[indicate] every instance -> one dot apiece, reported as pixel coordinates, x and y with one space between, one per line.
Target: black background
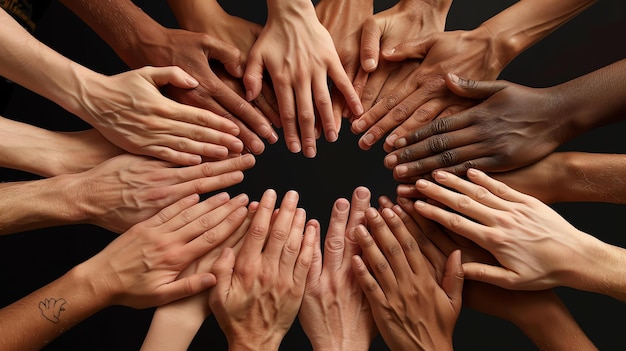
30 260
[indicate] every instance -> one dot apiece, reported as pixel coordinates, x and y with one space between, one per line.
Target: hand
411 309
191 52
345 30
534 245
128 189
537 313
259 292
140 268
210 18
129 111
423 95
514 126
299 67
174 325
335 314
407 20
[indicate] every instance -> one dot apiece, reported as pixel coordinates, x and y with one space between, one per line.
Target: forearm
38 204
33 321
126 28
175 325
199 15
592 177
35 66
526 22
546 323
594 99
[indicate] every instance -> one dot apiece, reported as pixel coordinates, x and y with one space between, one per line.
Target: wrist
289 9
255 342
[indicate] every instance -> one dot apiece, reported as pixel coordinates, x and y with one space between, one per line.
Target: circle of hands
398 268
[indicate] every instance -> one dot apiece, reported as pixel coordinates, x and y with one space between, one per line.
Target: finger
361 197
266 102
334 244
476 192
317 260
259 228
170 212
292 245
202 233
453 278
394 241
224 52
303 265
223 270
184 287
306 118
456 223
172 75
370 44
416 49
377 261
253 75
370 93
281 226
324 106
494 275
249 138
288 116
368 283
344 85
359 83
419 116
175 217
473 89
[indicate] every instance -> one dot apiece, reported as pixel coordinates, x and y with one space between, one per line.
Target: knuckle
438 143
448 158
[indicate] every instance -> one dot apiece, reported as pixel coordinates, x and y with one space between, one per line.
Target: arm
345 30
299 55
271 267
335 314
115 195
479 54
138 269
139 41
127 108
517 135
47 153
537 249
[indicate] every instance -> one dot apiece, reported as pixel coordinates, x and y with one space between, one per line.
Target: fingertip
369 65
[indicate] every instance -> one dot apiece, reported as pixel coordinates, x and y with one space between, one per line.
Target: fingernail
341 205
421 183
440 175
368 139
402 170
401 142
454 78
249 96
369 64
391 160
362 193
360 125
391 139
294 147
332 136
309 152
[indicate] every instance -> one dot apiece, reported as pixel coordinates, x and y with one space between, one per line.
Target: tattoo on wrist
51 309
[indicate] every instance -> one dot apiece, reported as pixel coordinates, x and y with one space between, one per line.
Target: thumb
226 53
185 287
473 89
223 270
416 49
370 45
453 278
253 76
161 76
